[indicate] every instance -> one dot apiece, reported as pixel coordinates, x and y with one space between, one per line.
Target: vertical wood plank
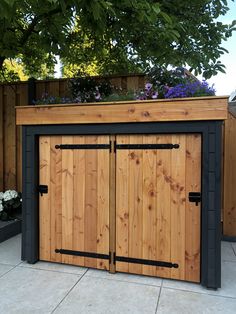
135 203
79 200
53 88
229 195
164 181
64 90
9 138
56 197
44 200
178 203
122 203
90 219
193 217
149 205
132 83
103 202
40 89
67 199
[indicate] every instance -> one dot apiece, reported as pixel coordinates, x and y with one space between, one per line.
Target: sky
225 84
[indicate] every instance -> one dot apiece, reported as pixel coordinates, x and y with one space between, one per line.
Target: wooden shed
129 186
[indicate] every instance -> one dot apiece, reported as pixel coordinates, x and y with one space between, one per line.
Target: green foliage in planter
88 89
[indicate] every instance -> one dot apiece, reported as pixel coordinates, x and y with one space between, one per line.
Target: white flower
14 194
1 195
1 206
10 194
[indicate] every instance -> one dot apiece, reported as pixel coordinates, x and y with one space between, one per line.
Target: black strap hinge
83 146
145 262
83 254
146 146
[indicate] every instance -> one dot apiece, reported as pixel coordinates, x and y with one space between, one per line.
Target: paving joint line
202 293
233 248
53 311
55 271
13 267
159 295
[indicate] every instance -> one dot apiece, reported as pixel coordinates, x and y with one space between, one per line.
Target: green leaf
9 2
166 17
156 8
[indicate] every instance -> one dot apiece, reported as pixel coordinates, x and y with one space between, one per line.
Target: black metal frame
211 183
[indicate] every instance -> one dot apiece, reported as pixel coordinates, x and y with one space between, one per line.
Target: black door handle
195 197
43 189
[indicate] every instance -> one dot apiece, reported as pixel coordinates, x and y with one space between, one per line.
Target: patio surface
54 288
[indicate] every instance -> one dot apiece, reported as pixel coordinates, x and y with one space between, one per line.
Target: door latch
43 189
195 197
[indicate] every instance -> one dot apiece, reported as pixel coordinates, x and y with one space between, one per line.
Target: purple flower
148 86
154 95
98 96
190 89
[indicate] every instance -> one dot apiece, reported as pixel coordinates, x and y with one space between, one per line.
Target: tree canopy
113 36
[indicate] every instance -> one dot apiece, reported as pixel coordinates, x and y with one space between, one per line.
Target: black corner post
31 91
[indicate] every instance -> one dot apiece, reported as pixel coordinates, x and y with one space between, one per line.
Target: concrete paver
55 288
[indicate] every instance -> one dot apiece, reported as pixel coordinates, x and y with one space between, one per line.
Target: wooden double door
128 203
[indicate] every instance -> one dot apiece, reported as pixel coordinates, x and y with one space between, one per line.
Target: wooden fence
18 94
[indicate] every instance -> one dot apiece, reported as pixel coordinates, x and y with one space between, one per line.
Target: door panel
74 215
154 219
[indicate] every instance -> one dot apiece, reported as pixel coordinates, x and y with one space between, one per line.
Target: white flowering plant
10 201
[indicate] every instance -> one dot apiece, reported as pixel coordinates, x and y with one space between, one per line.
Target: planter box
9 229
130 186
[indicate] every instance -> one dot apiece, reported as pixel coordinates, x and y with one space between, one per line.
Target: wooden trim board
186 109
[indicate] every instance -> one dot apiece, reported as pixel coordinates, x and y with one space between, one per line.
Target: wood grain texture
149 220
75 212
135 196
186 109
91 213
193 211
67 199
79 200
177 206
44 200
229 195
154 219
55 188
163 208
102 202
122 203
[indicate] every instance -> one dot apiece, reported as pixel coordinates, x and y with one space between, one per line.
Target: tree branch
35 21
2 59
